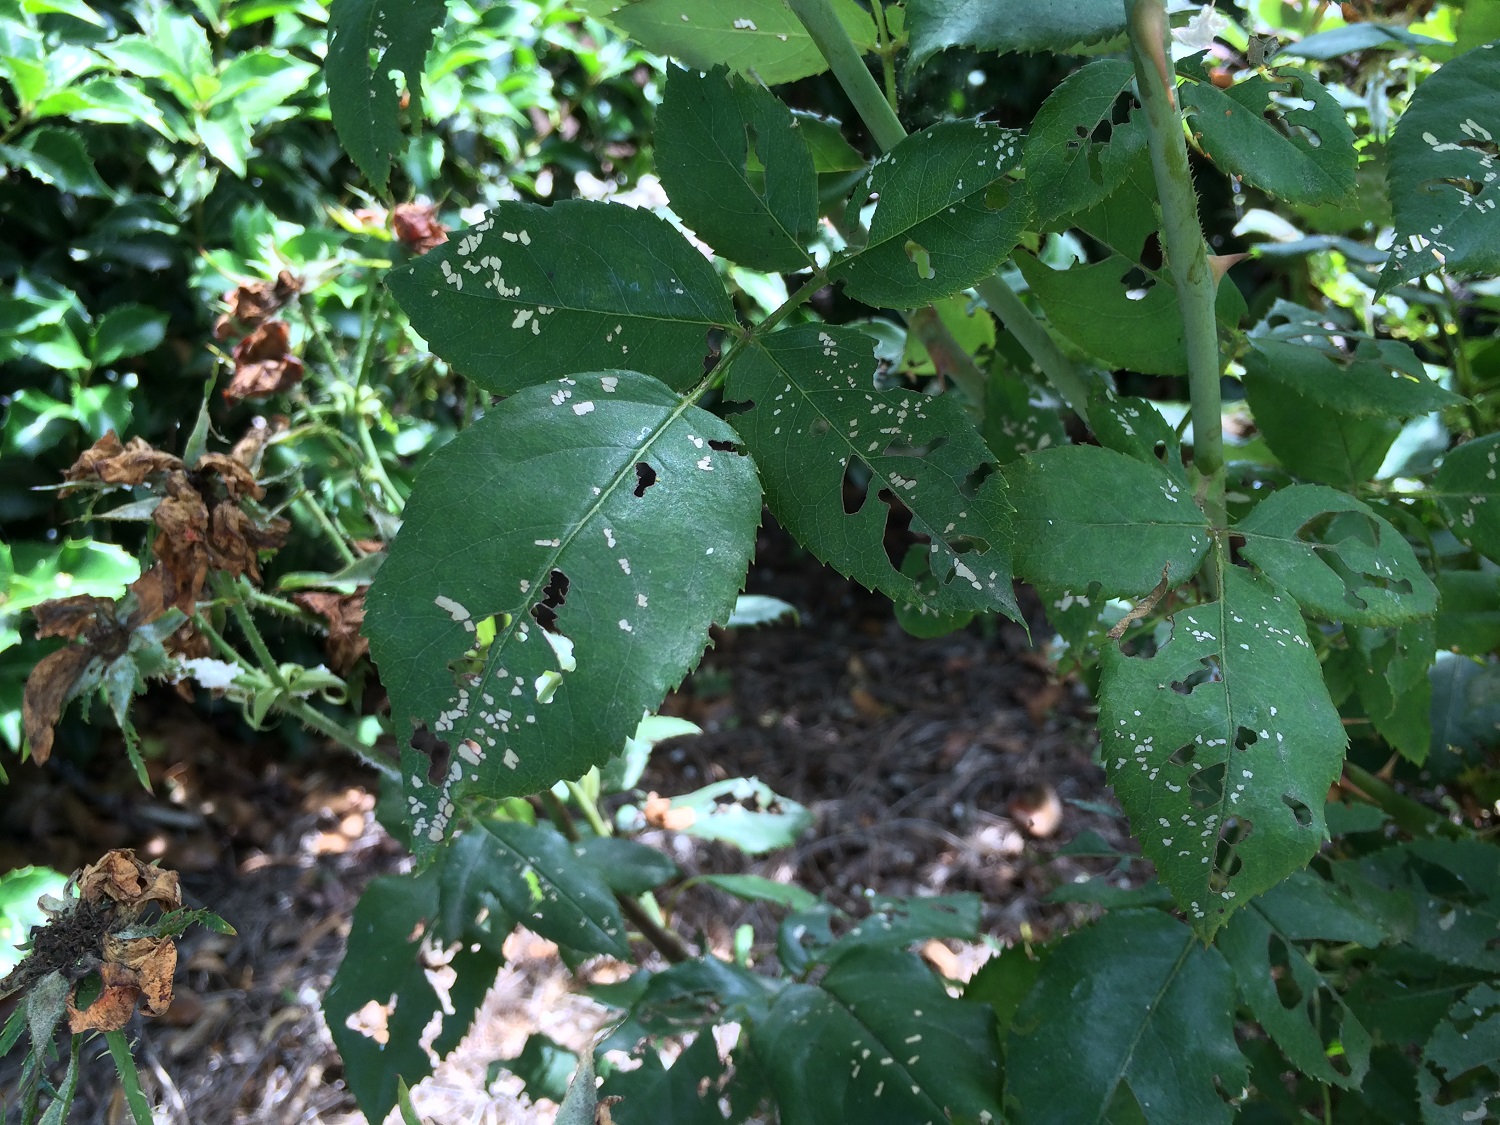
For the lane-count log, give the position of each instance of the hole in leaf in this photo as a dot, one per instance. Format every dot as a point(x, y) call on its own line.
point(1227, 861)
point(856, 485)
point(975, 480)
point(1159, 451)
point(1244, 738)
point(1206, 673)
point(966, 544)
point(1299, 810)
point(434, 749)
point(1288, 991)
point(728, 408)
point(897, 527)
point(1183, 755)
point(1206, 787)
point(544, 613)
point(645, 477)
point(726, 446)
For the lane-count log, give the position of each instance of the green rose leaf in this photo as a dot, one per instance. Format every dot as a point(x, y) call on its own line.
point(1300, 1008)
point(816, 417)
point(1444, 191)
point(560, 563)
point(1469, 493)
point(1221, 747)
point(746, 813)
point(1459, 1079)
point(943, 220)
point(1075, 155)
point(1352, 566)
point(536, 292)
point(382, 999)
point(370, 42)
point(706, 129)
point(758, 37)
point(1075, 504)
point(1010, 25)
point(879, 1040)
point(1130, 1019)
point(1279, 130)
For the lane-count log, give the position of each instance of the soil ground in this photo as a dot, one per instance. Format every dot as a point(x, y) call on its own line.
point(932, 766)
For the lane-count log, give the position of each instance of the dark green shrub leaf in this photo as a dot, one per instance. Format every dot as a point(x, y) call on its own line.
point(1013, 424)
point(1443, 189)
point(1131, 1020)
point(1317, 442)
point(899, 922)
point(1279, 130)
point(535, 875)
point(746, 813)
point(880, 1042)
point(697, 994)
point(943, 220)
point(58, 157)
point(468, 908)
point(1465, 703)
point(127, 330)
point(580, 1104)
point(1136, 428)
point(816, 413)
point(1076, 503)
point(536, 292)
point(1299, 1007)
point(1296, 348)
point(1468, 489)
point(759, 37)
point(1390, 673)
point(1353, 567)
point(1010, 25)
point(382, 998)
point(1221, 747)
point(1459, 1078)
point(627, 867)
point(557, 571)
point(1075, 153)
point(653, 1093)
point(706, 128)
point(1468, 619)
point(1356, 37)
point(369, 43)
point(756, 888)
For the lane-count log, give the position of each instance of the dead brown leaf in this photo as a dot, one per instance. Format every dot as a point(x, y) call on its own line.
point(263, 364)
point(109, 462)
point(345, 613)
point(238, 480)
point(251, 304)
point(48, 689)
point(250, 448)
point(417, 226)
point(112, 1008)
point(70, 617)
point(132, 884)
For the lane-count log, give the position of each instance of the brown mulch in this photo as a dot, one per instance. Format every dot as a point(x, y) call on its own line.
point(924, 763)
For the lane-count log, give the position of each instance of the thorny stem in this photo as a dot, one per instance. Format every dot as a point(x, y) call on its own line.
point(885, 127)
point(320, 517)
point(130, 1079)
point(666, 942)
point(1182, 237)
point(948, 355)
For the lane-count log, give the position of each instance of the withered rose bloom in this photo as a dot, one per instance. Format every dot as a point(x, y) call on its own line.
point(417, 226)
point(251, 305)
point(262, 363)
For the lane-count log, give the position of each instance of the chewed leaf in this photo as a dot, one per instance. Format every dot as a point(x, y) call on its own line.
point(1469, 493)
point(740, 811)
point(1076, 504)
point(1459, 1079)
point(1011, 25)
point(536, 292)
point(1131, 1011)
point(1084, 139)
point(559, 567)
point(759, 37)
point(1221, 747)
point(370, 43)
point(943, 219)
point(1337, 557)
point(708, 128)
point(1282, 132)
point(815, 418)
point(879, 1040)
point(1444, 191)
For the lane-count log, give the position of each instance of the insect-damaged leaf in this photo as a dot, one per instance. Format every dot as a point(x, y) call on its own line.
point(1357, 568)
point(1075, 506)
point(536, 292)
point(1469, 493)
point(1130, 1020)
point(382, 999)
point(1011, 25)
point(1077, 152)
point(943, 220)
point(1444, 191)
point(559, 566)
point(1221, 747)
point(759, 37)
point(707, 128)
point(879, 1041)
point(815, 416)
point(1281, 131)
point(369, 42)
